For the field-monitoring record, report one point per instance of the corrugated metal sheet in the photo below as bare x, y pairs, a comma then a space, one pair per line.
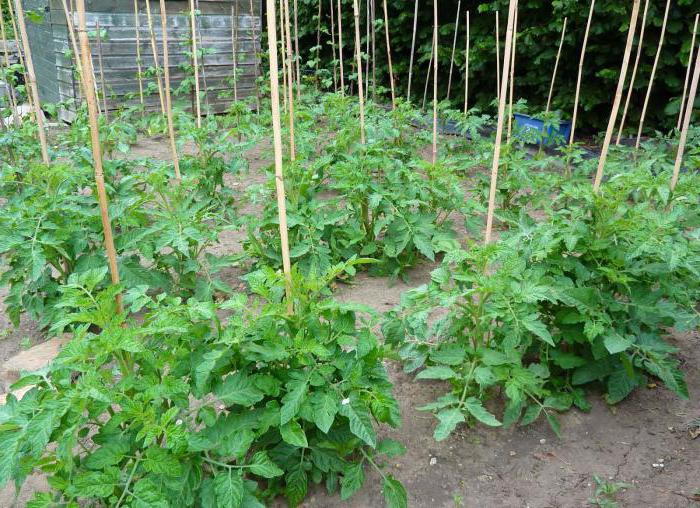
51, 49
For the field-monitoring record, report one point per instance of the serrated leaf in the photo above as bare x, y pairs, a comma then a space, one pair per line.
437, 372
478, 411
262, 465
229, 489
449, 419
390, 447
352, 480
360, 421
239, 389
394, 493
293, 434
325, 407
616, 343
293, 399
297, 486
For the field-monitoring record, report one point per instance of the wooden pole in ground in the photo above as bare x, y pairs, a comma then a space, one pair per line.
580, 71
103, 84
318, 40
640, 44
466, 70
297, 56
454, 48
512, 9
335, 60
89, 91
427, 77
388, 55
686, 121
290, 83
687, 74
435, 79
168, 103
6, 52
413, 51
277, 142
373, 36
653, 74
556, 66
154, 49
512, 79
367, 49
202, 63
255, 54
498, 58
195, 64
71, 36
340, 49
18, 44
358, 56
283, 50
137, 26
618, 97
32, 81
234, 37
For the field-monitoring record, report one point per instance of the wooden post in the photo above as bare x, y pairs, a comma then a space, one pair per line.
340, 49
435, 79
373, 36
454, 47
687, 74
580, 71
498, 58
290, 83
634, 72
427, 77
618, 97
686, 122
18, 44
277, 142
318, 40
297, 56
335, 60
89, 91
71, 36
512, 79
556, 66
512, 9
413, 50
358, 56
195, 64
653, 74
103, 85
234, 37
166, 77
202, 64
466, 70
6, 52
154, 48
255, 55
388, 55
137, 26
283, 50
32, 81
367, 49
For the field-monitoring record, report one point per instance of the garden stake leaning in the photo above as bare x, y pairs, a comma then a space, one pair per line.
103, 85
367, 48
687, 74
195, 64
427, 77
388, 55
234, 37
580, 71
203, 66
358, 56
686, 122
290, 83
335, 60
6, 52
634, 72
653, 73
18, 44
556, 66
283, 50
255, 55
512, 9
90, 98
466, 70
168, 102
296, 49
340, 49
373, 33
36, 104
498, 58
618, 97
154, 49
71, 36
318, 38
139, 74
512, 79
454, 47
413, 51
435, 78
277, 142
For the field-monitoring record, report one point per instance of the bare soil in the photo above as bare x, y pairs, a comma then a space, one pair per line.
485, 467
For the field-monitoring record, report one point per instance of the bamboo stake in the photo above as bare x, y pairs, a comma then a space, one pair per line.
512, 9
21, 57
498, 59
255, 55
466, 70
195, 65
71, 37
388, 55
296, 49
234, 37
556, 66
277, 142
137, 26
653, 73
512, 79
340, 49
358, 56
580, 71
367, 50
89, 90
687, 73
335, 60
318, 40
373, 36
102, 71
6, 52
634, 72
427, 77
203, 65
686, 122
154, 48
168, 104
435, 79
618, 97
32, 81
290, 83
283, 50
454, 48
413, 50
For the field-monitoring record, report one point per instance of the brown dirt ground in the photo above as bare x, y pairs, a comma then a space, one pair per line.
485, 467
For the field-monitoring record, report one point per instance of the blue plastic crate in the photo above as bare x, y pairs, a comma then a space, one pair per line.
526, 124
